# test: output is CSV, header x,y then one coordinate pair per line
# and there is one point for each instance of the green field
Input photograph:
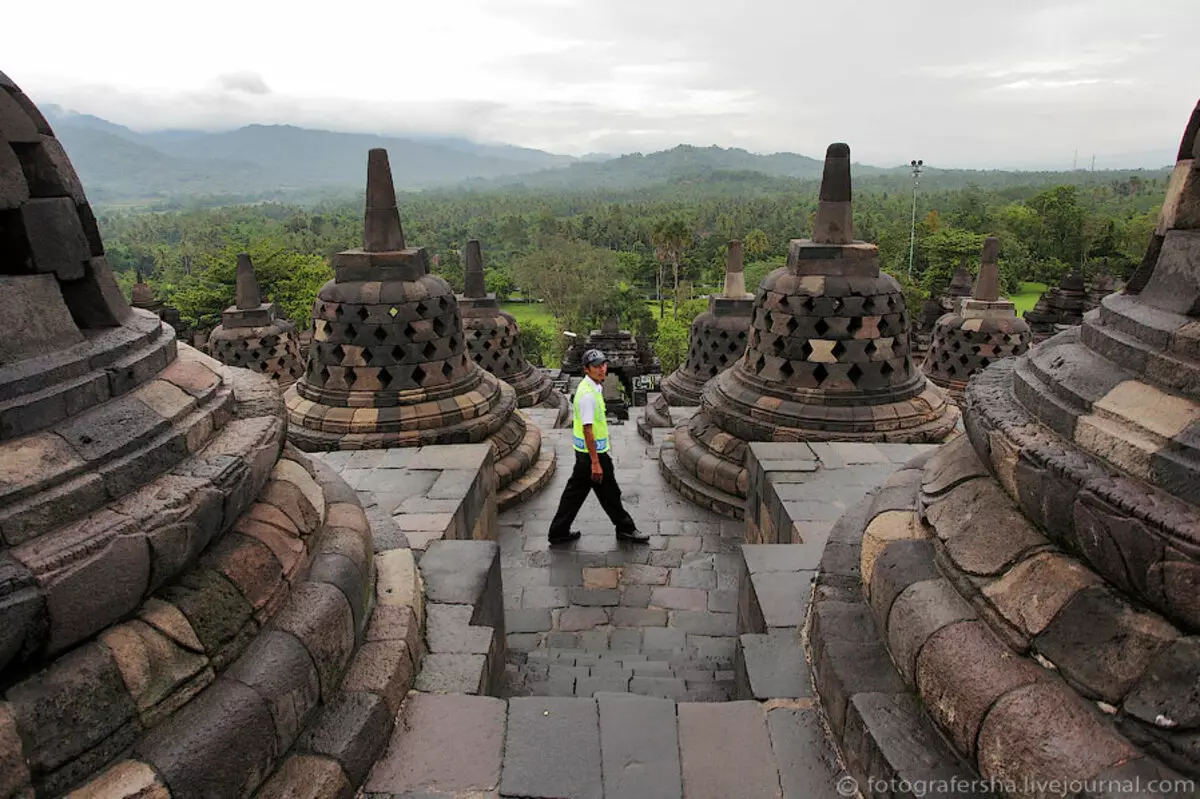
x,y
1028,296
527,312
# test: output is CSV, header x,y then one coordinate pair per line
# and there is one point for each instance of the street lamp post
x,y
912,230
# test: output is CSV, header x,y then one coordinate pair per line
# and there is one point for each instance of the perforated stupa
x,y
251,334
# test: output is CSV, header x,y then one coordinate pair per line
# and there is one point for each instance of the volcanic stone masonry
x,y
1057,308
494,342
982,331
180,592
1031,590
827,359
389,364
252,336
628,357
717,341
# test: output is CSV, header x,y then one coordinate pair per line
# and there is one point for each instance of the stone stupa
x,y
984,330
716,342
627,358
252,336
494,342
1100,286
167,569
389,364
958,289
1025,601
1058,308
827,359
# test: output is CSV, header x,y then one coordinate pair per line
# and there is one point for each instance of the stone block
x,y
679,598
398,582
594,597
888,737
953,464
772,667
983,530
882,530
900,565
78,703
639,740
1046,732
552,749
128,779
846,668
703,623
808,765
307,777
279,669
56,238
783,597
725,750
962,671
345,575
452,674
663,687
576,619
14,773
535,620
1101,644
417,761
352,730
1166,694
160,675
220,744
46,324
921,610
762,558
320,617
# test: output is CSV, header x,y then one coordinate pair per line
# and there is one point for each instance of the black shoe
x,y
634,536
565,539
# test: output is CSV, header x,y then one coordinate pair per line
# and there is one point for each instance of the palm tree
x,y
670,239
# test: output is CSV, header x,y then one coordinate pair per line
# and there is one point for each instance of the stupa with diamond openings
x,y
827,359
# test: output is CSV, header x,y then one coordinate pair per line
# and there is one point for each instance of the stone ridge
x,y
221,671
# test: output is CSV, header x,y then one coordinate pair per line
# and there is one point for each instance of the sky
x,y
1013,84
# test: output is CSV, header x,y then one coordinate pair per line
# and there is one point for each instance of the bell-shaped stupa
x,y
985,329
716,342
1028,596
827,359
494,342
171,574
1058,308
252,336
958,289
389,364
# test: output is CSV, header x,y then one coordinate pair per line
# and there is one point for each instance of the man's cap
x,y
594,358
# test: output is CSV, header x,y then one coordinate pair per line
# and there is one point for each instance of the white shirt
x,y
587,403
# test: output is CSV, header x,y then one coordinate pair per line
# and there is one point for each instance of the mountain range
x,y
121,166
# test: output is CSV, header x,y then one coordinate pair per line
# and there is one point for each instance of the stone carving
x,y
1048,562
252,336
827,358
389,364
984,330
1057,308
494,342
717,341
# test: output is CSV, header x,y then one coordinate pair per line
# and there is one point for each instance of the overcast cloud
x,y
1020,83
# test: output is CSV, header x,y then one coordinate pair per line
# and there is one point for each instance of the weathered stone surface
x,y
398,582
128,779
775,667
961,672
307,777
280,670
640,744
807,763
885,528
552,749
418,761
220,744
1101,644
351,730
70,707
1168,693
1045,732
887,737
1035,590
319,616
921,610
983,530
899,566
783,597
159,674
725,751
14,773
953,464
452,674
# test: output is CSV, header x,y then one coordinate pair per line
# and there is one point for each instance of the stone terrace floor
x,y
609,616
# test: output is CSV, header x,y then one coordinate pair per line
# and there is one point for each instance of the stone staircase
x,y
612,746
669,674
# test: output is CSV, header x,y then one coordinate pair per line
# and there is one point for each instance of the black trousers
x,y
576,491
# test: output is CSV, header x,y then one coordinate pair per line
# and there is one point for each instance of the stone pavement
x,y
603,615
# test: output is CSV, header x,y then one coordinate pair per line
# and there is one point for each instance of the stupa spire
x,y
835,218
248,294
987,283
735,271
475,285
381,225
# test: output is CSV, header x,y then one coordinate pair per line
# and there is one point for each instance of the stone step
x,y
706,496
530,483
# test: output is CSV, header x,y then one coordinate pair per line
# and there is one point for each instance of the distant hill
x,y
119,165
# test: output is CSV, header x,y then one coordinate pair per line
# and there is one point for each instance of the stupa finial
x,y
987,283
835,218
381,225
475,285
248,294
735,271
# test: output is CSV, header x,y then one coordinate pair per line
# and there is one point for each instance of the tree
x,y
670,238
756,244
575,279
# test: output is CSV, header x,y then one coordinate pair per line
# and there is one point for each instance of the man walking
x,y
593,465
